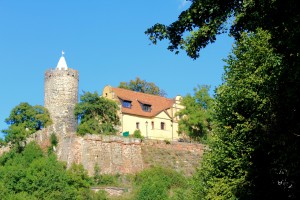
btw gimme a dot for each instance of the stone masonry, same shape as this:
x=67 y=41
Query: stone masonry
x=61 y=96
x=112 y=154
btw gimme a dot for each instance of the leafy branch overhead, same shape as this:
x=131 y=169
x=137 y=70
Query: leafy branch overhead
x=199 y=25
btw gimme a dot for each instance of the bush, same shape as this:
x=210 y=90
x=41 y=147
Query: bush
x=54 y=142
x=104 y=179
x=137 y=134
x=155 y=183
x=167 y=141
x=53 y=139
x=30 y=174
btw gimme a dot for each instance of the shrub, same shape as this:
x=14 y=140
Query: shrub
x=137 y=134
x=30 y=174
x=167 y=141
x=104 y=179
x=54 y=142
x=156 y=182
x=53 y=139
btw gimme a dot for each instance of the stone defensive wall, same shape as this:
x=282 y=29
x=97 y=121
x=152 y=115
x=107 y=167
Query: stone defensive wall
x=4 y=149
x=195 y=148
x=112 y=154
x=115 y=154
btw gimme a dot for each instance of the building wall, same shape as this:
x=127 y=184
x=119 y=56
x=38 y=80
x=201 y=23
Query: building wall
x=170 y=132
x=61 y=96
x=107 y=93
x=177 y=106
x=128 y=122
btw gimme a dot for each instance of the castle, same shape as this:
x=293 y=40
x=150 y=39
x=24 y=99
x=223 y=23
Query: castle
x=112 y=154
x=153 y=115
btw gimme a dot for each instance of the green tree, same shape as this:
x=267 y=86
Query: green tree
x=244 y=162
x=143 y=86
x=97 y=115
x=24 y=120
x=195 y=118
x=29 y=174
x=201 y=23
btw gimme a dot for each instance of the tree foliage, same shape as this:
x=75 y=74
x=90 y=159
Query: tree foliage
x=246 y=158
x=32 y=175
x=199 y=25
x=258 y=144
x=143 y=86
x=195 y=118
x=157 y=182
x=97 y=115
x=24 y=120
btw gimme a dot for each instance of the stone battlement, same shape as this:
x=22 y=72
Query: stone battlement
x=51 y=73
x=112 y=138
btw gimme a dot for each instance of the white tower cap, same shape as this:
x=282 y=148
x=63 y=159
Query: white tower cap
x=62 y=64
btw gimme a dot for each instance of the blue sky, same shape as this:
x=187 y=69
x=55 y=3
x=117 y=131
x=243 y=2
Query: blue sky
x=103 y=40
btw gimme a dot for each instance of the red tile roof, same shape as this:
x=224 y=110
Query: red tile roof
x=158 y=103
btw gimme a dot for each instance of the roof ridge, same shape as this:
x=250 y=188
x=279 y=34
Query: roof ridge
x=143 y=93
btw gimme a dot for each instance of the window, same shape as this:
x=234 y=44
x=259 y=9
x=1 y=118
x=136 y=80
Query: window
x=162 y=126
x=146 y=107
x=152 y=125
x=126 y=104
x=138 y=125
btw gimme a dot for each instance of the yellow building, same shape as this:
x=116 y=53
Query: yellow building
x=153 y=115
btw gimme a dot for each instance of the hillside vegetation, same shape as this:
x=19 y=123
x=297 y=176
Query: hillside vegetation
x=30 y=173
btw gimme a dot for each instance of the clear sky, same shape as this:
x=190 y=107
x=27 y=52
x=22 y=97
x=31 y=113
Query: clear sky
x=103 y=40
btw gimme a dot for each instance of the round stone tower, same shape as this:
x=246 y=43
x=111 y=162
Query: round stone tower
x=61 y=96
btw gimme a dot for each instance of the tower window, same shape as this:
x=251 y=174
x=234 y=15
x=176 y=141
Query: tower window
x=152 y=125
x=138 y=125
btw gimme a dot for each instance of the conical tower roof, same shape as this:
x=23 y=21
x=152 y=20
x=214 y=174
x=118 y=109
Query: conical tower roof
x=62 y=64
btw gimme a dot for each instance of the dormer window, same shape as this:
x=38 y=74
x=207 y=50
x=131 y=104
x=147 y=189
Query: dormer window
x=126 y=104
x=146 y=107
